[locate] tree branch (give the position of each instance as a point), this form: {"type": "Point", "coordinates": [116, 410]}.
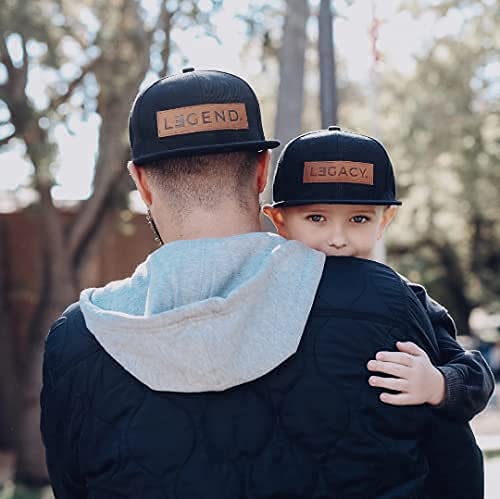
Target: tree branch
{"type": "Point", "coordinates": [73, 32]}
{"type": "Point", "coordinates": [5, 56]}
{"type": "Point", "coordinates": [165, 25]}
{"type": "Point", "coordinates": [5, 140]}
{"type": "Point", "coordinates": [89, 216]}
{"type": "Point", "coordinates": [159, 22]}
{"type": "Point", "coordinates": [4, 95]}
{"type": "Point", "coordinates": [60, 99]}
{"type": "Point", "coordinates": [14, 88]}
{"type": "Point", "coordinates": [113, 106]}
{"type": "Point", "coordinates": [24, 68]}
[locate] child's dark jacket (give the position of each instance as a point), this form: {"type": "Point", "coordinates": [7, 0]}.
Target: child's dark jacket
{"type": "Point", "coordinates": [312, 427]}
{"type": "Point", "coordinates": [469, 380]}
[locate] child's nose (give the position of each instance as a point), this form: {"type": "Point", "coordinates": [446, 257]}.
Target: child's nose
{"type": "Point", "coordinates": [337, 238]}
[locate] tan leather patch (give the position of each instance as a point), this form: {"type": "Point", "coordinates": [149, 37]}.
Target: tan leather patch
{"type": "Point", "coordinates": [349, 172]}
{"type": "Point", "coordinates": [202, 118]}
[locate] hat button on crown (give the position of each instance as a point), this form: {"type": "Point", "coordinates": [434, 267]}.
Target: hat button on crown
{"type": "Point", "coordinates": [333, 128]}
{"type": "Point", "coordinates": [188, 69]}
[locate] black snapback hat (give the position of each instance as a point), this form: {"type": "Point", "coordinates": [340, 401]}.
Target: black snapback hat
{"type": "Point", "coordinates": [195, 112]}
{"type": "Point", "coordinates": [334, 167]}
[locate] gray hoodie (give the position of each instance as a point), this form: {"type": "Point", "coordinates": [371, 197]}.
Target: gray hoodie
{"type": "Point", "coordinates": [207, 314]}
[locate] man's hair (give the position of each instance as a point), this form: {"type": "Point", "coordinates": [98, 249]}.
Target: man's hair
{"type": "Point", "coordinates": [203, 180]}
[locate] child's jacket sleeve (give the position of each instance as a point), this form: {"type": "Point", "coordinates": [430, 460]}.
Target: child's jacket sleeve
{"type": "Point", "coordinates": [469, 380]}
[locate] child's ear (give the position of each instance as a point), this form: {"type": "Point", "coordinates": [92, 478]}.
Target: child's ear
{"type": "Point", "coordinates": [387, 216]}
{"type": "Point", "coordinates": [276, 217]}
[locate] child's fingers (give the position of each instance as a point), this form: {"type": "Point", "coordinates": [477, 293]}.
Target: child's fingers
{"type": "Point", "coordinates": [409, 347]}
{"type": "Point", "coordinates": [396, 399]}
{"type": "Point", "coordinates": [391, 368]}
{"type": "Point", "coordinates": [395, 384]}
{"type": "Point", "coordinates": [396, 357]}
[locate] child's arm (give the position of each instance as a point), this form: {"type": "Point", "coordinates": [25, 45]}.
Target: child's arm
{"type": "Point", "coordinates": [461, 385]}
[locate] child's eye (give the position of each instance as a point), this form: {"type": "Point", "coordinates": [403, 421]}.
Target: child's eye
{"type": "Point", "coordinates": [316, 218]}
{"type": "Point", "coordinates": [360, 219]}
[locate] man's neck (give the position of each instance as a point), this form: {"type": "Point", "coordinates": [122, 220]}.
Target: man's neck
{"type": "Point", "coordinates": [199, 224]}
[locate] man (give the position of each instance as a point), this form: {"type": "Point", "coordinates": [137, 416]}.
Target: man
{"type": "Point", "coordinates": [232, 363]}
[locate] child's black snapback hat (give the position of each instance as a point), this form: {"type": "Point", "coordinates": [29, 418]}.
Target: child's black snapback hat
{"type": "Point", "coordinates": [334, 167]}
{"type": "Point", "coordinates": [195, 112]}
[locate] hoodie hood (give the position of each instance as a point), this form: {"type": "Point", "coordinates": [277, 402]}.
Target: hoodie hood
{"type": "Point", "coordinates": [207, 314]}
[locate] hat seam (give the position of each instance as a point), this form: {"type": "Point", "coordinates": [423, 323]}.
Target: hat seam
{"type": "Point", "coordinates": [257, 145]}
{"type": "Point", "coordinates": [298, 202]}
{"type": "Point", "coordinates": [261, 128]}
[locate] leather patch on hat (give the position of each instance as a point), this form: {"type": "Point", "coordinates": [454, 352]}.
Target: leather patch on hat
{"type": "Point", "coordinates": [202, 118]}
{"type": "Point", "coordinates": [348, 172]}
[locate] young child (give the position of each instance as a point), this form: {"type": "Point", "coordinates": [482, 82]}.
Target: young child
{"type": "Point", "coordinates": [335, 192]}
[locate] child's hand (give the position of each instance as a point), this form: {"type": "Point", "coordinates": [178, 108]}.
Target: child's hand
{"type": "Point", "coordinates": [417, 380]}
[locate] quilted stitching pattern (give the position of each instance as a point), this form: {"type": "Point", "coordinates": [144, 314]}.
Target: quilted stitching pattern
{"type": "Point", "coordinates": [310, 428]}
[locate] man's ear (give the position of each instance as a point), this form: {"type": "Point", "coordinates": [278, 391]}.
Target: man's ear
{"type": "Point", "coordinates": [387, 216]}
{"type": "Point", "coordinates": [141, 181]}
{"type": "Point", "coordinates": [262, 170]}
{"type": "Point", "coordinates": [276, 217]}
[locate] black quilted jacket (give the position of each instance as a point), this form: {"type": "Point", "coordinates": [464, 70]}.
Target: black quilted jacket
{"type": "Point", "coordinates": [311, 428]}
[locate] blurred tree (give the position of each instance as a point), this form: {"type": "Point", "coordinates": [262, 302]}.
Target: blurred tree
{"type": "Point", "coordinates": [264, 25]}
{"type": "Point", "coordinates": [288, 121]}
{"type": "Point", "coordinates": [8, 411]}
{"type": "Point", "coordinates": [298, 58]}
{"type": "Point", "coordinates": [95, 54]}
{"type": "Point", "coordinates": [327, 69]}
{"type": "Point", "coordinates": [291, 68]}
{"type": "Point", "coordinates": [445, 137]}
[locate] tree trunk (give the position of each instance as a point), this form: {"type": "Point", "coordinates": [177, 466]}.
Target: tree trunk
{"type": "Point", "coordinates": [327, 69]}
{"type": "Point", "coordinates": [455, 281]}
{"type": "Point", "coordinates": [292, 62]}
{"type": "Point", "coordinates": [58, 290]}
{"type": "Point", "coordinates": [118, 75]}
{"type": "Point", "coordinates": [291, 85]}
{"type": "Point", "coordinates": [8, 381]}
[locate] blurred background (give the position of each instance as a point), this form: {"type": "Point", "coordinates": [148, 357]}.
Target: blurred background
{"type": "Point", "coordinates": [421, 75]}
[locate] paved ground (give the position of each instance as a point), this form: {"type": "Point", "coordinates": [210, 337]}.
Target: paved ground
{"type": "Point", "coordinates": [492, 478]}
{"type": "Point", "coordinates": [486, 427]}
{"type": "Point", "coordinates": [488, 422]}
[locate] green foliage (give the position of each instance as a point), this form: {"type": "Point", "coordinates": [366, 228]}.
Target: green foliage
{"type": "Point", "coordinates": [33, 21]}
{"type": "Point", "coordinates": [87, 56]}
{"type": "Point", "coordinates": [264, 24]}
{"type": "Point", "coordinates": [443, 129]}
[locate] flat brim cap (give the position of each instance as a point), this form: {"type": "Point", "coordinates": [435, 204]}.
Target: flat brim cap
{"type": "Point", "coordinates": [195, 112]}
{"type": "Point", "coordinates": [334, 167]}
